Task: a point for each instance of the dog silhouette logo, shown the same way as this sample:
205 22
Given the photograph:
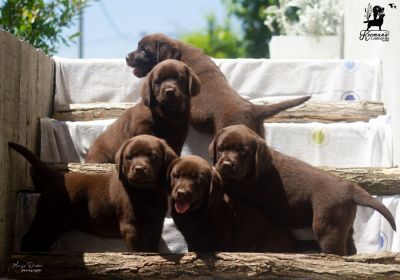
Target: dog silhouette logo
379 14
374 16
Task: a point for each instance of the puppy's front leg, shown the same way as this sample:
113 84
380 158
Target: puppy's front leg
129 234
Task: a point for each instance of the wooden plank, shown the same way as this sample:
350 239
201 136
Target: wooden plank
205 266
10 62
23 107
45 87
32 93
11 101
377 181
3 155
314 111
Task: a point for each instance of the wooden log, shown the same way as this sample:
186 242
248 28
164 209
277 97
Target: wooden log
377 181
204 266
327 111
90 111
88 168
316 111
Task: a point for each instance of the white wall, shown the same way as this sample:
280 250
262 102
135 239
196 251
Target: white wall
388 52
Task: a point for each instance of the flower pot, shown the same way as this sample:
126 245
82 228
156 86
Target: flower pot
306 47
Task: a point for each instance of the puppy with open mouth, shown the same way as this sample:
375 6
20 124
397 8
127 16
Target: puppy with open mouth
210 221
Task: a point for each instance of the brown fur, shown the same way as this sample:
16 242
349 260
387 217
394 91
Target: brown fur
213 222
130 202
164 112
218 105
290 191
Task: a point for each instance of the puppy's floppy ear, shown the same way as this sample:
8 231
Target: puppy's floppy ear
119 160
263 158
167 50
169 157
169 170
147 91
217 190
194 84
169 154
212 151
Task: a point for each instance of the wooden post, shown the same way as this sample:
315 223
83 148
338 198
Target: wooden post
26 93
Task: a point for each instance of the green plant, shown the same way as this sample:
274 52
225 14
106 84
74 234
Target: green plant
305 17
40 22
251 14
218 41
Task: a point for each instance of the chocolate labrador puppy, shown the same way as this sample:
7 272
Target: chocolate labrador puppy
210 221
164 112
218 105
290 191
131 202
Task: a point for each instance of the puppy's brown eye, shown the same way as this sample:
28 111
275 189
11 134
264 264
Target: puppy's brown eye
141 48
157 81
129 157
199 180
175 176
152 156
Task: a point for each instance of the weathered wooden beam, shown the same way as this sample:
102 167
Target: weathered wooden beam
89 168
90 111
317 111
204 266
327 111
377 181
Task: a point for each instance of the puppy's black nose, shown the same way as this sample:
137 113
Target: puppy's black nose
180 193
170 92
127 59
227 164
139 168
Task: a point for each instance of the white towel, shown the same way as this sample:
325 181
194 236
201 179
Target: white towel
111 80
359 144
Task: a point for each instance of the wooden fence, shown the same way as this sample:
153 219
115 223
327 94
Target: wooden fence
26 94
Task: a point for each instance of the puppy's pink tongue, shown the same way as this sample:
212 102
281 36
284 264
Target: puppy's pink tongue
181 207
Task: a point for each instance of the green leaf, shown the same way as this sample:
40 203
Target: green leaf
41 22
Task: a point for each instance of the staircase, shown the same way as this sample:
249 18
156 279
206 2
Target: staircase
343 129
